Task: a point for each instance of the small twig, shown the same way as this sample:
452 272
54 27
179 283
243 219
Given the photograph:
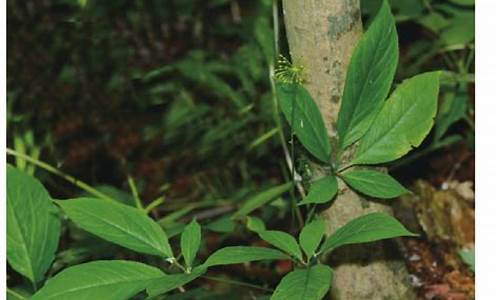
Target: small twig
456 167
214 212
15 294
61 174
343 168
158 201
288 158
135 194
235 282
178 265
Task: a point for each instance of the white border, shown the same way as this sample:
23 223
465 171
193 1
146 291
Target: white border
487 148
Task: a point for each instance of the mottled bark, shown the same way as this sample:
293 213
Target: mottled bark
321 35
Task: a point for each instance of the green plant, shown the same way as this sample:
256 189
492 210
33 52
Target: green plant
445 37
371 130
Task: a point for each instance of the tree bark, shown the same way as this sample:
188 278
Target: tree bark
322 35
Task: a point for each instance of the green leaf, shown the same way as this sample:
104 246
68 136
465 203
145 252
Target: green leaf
308 284
367 228
282 241
33 226
310 237
118 223
265 37
307 122
469 257
460 32
450 111
242 254
170 282
112 192
222 225
463 2
404 122
110 280
369 77
255 224
321 191
190 242
374 184
261 199
434 21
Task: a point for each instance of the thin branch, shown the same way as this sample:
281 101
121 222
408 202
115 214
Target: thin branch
235 282
288 157
135 194
84 186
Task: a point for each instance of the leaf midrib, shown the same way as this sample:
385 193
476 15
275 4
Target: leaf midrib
126 232
24 242
357 106
391 129
317 134
86 287
362 229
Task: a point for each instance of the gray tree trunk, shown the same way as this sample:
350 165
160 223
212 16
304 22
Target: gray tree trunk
322 35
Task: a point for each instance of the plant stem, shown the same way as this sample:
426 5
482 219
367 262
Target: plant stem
343 168
154 204
292 147
135 194
276 114
15 294
178 265
235 282
84 186
311 213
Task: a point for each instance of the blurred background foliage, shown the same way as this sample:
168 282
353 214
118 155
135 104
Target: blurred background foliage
174 97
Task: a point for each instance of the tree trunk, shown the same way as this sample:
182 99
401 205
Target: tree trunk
322 35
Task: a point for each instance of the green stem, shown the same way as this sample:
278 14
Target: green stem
276 26
469 60
178 265
276 115
158 201
311 213
135 194
61 174
235 282
15 294
343 168
292 150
